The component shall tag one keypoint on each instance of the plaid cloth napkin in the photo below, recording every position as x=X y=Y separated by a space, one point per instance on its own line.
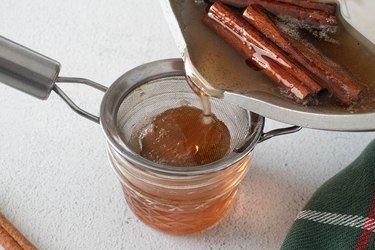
x=341 y=213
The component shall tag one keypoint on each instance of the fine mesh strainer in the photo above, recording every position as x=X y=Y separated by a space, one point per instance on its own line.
x=141 y=104
x=133 y=101
x=138 y=109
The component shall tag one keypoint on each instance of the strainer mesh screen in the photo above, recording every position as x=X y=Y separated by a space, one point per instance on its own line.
x=140 y=107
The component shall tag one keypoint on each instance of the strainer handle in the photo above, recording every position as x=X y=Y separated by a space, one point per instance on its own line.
x=280 y=131
x=36 y=74
x=27 y=70
x=69 y=101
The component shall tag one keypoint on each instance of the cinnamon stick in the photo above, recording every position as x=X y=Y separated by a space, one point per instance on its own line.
x=261 y=45
x=234 y=3
x=312 y=17
x=7 y=241
x=329 y=8
x=11 y=238
x=336 y=80
x=254 y=47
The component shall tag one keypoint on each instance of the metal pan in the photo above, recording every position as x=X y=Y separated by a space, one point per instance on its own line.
x=210 y=60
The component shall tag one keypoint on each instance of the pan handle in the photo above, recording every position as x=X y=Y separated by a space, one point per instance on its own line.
x=36 y=74
x=280 y=131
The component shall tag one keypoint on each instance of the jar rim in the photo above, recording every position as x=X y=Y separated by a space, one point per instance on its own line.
x=145 y=73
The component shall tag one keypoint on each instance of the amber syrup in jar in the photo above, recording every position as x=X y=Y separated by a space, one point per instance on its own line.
x=185 y=136
x=193 y=206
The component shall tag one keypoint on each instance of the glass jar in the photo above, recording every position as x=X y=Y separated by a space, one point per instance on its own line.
x=178 y=204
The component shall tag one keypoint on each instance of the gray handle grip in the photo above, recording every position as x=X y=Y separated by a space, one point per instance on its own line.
x=27 y=70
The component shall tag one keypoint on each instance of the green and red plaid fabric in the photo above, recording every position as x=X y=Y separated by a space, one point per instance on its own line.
x=341 y=213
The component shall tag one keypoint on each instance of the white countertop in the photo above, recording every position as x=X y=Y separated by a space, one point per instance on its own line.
x=56 y=185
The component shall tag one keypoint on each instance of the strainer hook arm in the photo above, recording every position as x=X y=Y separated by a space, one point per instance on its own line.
x=36 y=74
x=280 y=131
x=69 y=101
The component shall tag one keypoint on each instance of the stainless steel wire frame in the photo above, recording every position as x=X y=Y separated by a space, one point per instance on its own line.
x=69 y=101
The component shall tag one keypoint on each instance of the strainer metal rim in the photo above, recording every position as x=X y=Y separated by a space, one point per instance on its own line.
x=134 y=78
